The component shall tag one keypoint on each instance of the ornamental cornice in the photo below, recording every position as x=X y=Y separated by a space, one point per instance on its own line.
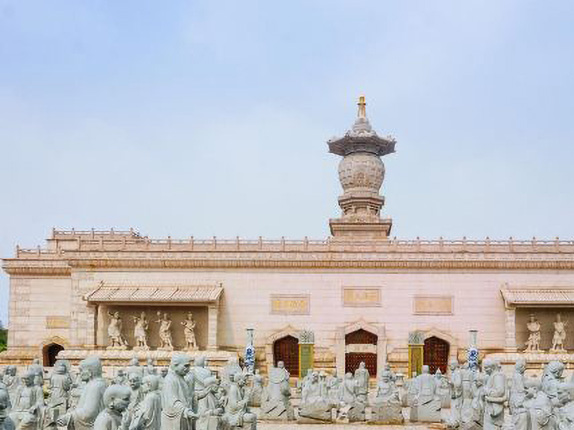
x=37 y=267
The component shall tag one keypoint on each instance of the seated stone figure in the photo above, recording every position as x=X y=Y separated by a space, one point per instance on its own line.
x=148 y=414
x=28 y=403
x=351 y=409
x=237 y=414
x=6 y=422
x=116 y=400
x=386 y=407
x=426 y=405
x=315 y=407
x=276 y=399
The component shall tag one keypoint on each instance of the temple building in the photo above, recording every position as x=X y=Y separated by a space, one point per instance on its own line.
x=358 y=295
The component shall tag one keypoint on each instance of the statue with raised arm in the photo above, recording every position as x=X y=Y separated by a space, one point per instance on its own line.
x=117 y=340
x=141 y=325
x=177 y=398
x=165 y=332
x=533 y=342
x=91 y=401
x=189 y=332
x=559 y=335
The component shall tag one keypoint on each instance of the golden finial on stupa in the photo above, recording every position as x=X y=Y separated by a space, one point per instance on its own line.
x=362 y=107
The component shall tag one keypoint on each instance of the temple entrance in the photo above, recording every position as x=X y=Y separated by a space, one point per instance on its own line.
x=286 y=350
x=49 y=354
x=435 y=354
x=361 y=345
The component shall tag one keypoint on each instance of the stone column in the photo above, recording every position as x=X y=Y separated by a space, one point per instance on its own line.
x=101 y=326
x=510 y=330
x=91 y=324
x=212 y=316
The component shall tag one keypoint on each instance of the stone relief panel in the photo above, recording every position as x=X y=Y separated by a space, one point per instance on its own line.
x=361 y=296
x=433 y=305
x=290 y=304
x=546 y=318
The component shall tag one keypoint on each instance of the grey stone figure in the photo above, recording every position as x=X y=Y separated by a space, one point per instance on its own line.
x=148 y=415
x=456 y=392
x=237 y=414
x=256 y=391
x=120 y=378
x=426 y=406
x=91 y=401
x=564 y=412
x=306 y=379
x=362 y=378
x=494 y=395
x=231 y=368
x=165 y=332
x=134 y=367
x=559 y=335
x=6 y=422
x=60 y=384
x=115 y=327
x=315 y=408
x=78 y=387
x=38 y=370
x=517 y=397
x=551 y=378
x=189 y=332
x=540 y=409
x=149 y=368
x=11 y=381
x=141 y=325
x=177 y=413
x=28 y=403
x=351 y=408
x=116 y=400
x=276 y=400
x=443 y=389
x=199 y=377
x=533 y=342
x=209 y=408
x=135 y=383
x=386 y=406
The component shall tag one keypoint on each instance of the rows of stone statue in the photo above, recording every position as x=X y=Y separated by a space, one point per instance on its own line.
x=186 y=397
x=534 y=337
x=117 y=339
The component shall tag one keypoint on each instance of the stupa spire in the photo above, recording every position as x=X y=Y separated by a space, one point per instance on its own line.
x=362 y=108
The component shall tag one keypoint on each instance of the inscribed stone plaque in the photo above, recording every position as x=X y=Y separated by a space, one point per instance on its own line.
x=361 y=296
x=306 y=351
x=57 y=322
x=290 y=304
x=433 y=305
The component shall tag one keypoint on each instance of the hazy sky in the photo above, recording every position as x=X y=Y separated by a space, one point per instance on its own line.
x=211 y=117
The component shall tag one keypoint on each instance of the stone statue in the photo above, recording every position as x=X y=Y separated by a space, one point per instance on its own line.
x=176 y=396
x=165 y=332
x=426 y=405
x=533 y=342
x=6 y=422
x=476 y=419
x=134 y=366
x=362 y=378
x=442 y=389
x=237 y=414
x=334 y=388
x=11 y=381
x=276 y=400
x=455 y=392
x=60 y=384
x=38 y=370
x=564 y=412
x=148 y=414
x=91 y=401
x=189 y=332
x=149 y=369
x=120 y=378
x=386 y=407
x=232 y=367
x=540 y=409
x=116 y=399
x=559 y=335
x=135 y=383
x=208 y=406
x=517 y=397
x=551 y=378
x=78 y=386
x=28 y=404
x=141 y=325
x=256 y=389
x=117 y=340
x=315 y=408
x=351 y=408
x=494 y=395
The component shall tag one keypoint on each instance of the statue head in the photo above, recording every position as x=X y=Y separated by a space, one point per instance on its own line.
x=92 y=364
x=116 y=314
x=315 y=376
x=280 y=365
x=309 y=371
x=60 y=367
x=564 y=393
x=134 y=361
x=488 y=365
x=362 y=365
x=4 y=401
x=36 y=361
x=189 y=316
x=520 y=365
x=163 y=372
x=121 y=373
x=453 y=364
x=150 y=383
x=438 y=374
x=180 y=364
x=150 y=361
x=532 y=318
x=135 y=380
x=199 y=361
x=28 y=378
x=348 y=375
x=117 y=397
x=555 y=368
x=142 y=315
x=425 y=370
x=385 y=376
x=239 y=379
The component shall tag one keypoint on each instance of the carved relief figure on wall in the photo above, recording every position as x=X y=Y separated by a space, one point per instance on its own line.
x=533 y=342
x=117 y=340
x=559 y=335
x=140 y=331
x=189 y=332
x=165 y=332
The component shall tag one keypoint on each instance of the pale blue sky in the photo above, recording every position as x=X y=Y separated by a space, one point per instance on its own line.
x=210 y=117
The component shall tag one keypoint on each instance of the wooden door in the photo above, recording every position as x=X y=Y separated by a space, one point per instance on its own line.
x=353 y=359
x=435 y=354
x=286 y=350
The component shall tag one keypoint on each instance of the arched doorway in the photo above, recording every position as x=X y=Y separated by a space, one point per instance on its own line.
x=286 y=350
x=435 y=354
x=361 y=345
x=50 y=352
